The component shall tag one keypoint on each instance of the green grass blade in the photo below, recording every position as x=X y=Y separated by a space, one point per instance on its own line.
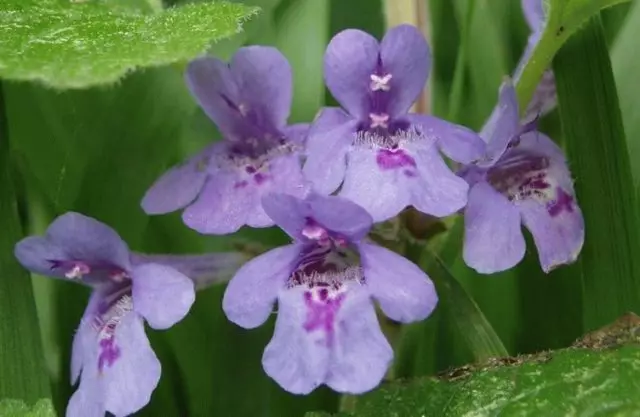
x=595 y=142
x=23 y=375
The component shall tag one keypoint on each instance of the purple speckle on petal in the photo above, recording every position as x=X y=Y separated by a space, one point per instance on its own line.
x=388 y=159
x=321 y=313
x=240 y=184
x=563 y=202
x=260 y=178
x=109 y=352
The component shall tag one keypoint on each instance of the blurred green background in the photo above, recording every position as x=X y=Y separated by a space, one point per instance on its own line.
x=97 y=150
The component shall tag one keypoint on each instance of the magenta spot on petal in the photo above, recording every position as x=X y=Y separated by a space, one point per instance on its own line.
x=109 y=353
x=388 y=159
x=250 y=169
x=260 y=178
x=563 y=202
x=240 y=184
x=321 y=315
x=409 y=173
x=323 y=294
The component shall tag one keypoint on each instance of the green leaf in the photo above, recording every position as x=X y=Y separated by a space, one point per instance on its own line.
x=23 y=373
x=564 y=18
x=626 y=67
x=17 y=408
x=78 y=44
x=598 y=376
x=596 y=146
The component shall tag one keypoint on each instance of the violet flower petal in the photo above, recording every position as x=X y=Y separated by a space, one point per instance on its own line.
x=181 y=185
x=350 y=59
x=457 y=142
x=72 y=236
x=438 y=191
x=405 y=55
x=534 y=13
x=161 y=294
x=131 y=380
x=297 y=133
x=493 y=239
x=249 y=297
x=503 y=125
x=334 y=213
x=214 y=87
x=382 y=192
x=327 y=145
x=404 y=291
x=264 y=82
x=35 y=254
x=361 y=355
x=295 y=358
x=558 y=237
x=224 y=205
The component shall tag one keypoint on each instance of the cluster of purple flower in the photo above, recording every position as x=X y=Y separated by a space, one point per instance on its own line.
x=375 y=156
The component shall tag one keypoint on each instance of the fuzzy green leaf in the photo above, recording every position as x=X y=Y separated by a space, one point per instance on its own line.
x=17 y=408
x=76 y=44
x=597 y=376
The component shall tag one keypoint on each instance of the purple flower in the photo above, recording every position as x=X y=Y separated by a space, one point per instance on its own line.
x=249 y=100
x=384 y=158
x=544 y=98
x=523 y=179
x=110 y=349
x=326 y=329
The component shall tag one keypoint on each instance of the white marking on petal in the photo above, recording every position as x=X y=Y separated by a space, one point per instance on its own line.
x=379 y=83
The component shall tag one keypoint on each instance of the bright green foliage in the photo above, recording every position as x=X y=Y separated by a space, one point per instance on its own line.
x=626 y=67
x=598 y=376
x=564 y=18
x=16 y=408
x=22 y=369
x=74 y=44
x=596 y=146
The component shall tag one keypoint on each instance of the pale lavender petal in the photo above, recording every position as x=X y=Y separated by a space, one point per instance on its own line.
x=382 y=192
x=249 y=297
x=132 y=378
x=503 y=124
x=405 y=55
x=203 y=270
x=493 y=239
x=361 y=355
x=334 y=213
x=86 y=401
x=35 y=254
x=329 y=118
x=73 y=236
x=180 y=185
x=534 y=13
x=297 y=133
x=84 y=341
x=557 y=226
x=327 y=146
x=225 y=204
x=295 y=358
x=350 y=59
x=457 y=142
x=264 y=82
x=215 y=89
x=404 y=291
x=437 y=190
x=286 y=177
x=161 y=294
x=544 y=98
x=538 y=143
